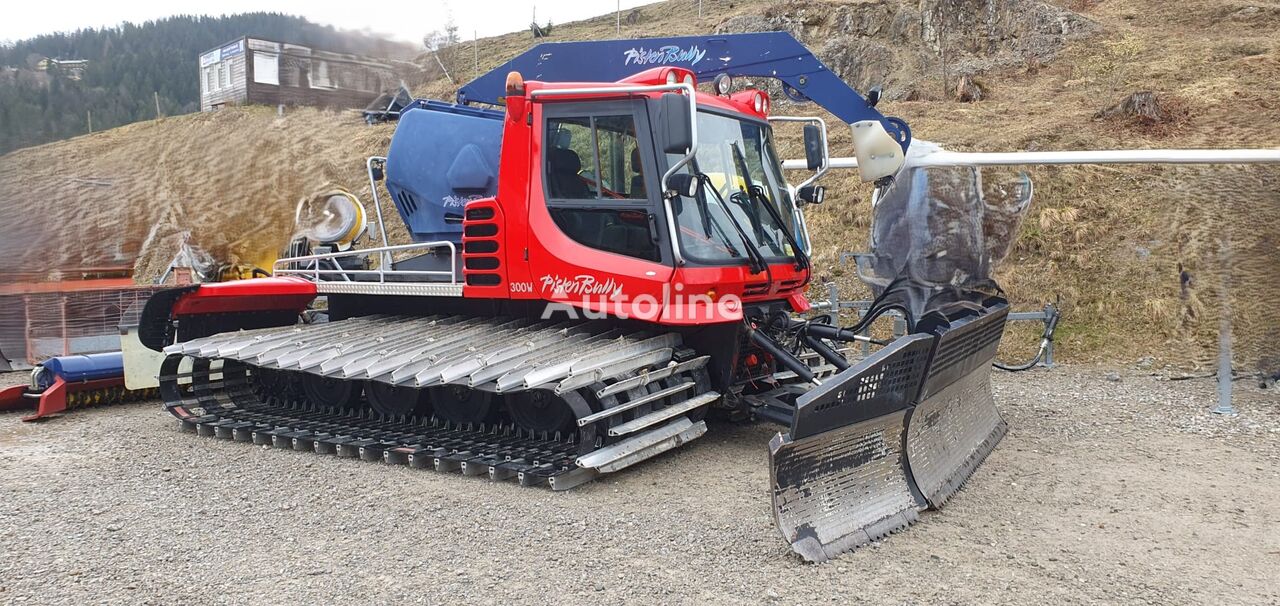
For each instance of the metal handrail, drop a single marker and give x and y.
(377, 204)
(826, 150)
(313, 269)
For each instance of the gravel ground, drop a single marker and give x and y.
(1113, 486)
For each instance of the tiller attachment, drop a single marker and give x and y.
(67, 382)
(887, 438)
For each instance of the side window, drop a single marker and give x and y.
(596, 188)
(568, 145)
(594, 157)
(620, 169)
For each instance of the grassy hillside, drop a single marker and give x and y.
(1132, 252)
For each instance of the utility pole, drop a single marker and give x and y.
(475, 51)
(1224, 330)
(156, 95)
(699, 9)
(89, 114)
(618, 16)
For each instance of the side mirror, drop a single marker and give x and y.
(812, 194)
(813, 146)
(673, 116)
(683, 184)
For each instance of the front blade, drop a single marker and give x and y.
(956, 424)
(840, 476)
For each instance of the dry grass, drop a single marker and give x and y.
(1110, 240)
(124, 196)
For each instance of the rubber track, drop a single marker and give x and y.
(498, 451)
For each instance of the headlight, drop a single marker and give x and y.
(722, 84)
(334, 217)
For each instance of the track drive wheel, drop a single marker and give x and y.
(461, 404)
(394, 401)
(541, 410)
(275, 385)
(331, 393)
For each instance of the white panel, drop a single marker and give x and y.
(141, 365)
(266, 68)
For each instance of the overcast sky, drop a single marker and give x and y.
(406, 21)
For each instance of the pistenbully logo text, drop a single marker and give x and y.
(663, 55)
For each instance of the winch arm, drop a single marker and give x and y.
(767, 54)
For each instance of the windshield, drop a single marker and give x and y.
(738, 158)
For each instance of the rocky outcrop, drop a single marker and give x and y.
(900, 45)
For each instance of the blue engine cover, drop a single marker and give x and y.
(442, 156)
(82, 367)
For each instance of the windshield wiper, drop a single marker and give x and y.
(756, 193)
(709, 224)
(756, 260)
(740, 159)
(802, 260)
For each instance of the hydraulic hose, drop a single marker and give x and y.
(1046, 339)
(781, 355)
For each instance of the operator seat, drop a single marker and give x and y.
(637, 180)
(564, 181)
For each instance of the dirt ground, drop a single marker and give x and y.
(1113, 486)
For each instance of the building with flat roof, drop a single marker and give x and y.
(252, 70)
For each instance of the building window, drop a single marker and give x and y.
(266, 68)
(320, 74)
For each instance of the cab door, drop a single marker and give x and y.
(595, 240)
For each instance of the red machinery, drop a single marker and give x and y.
(596, 267)
(66, 382)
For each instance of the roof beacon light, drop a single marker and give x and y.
(515, 84)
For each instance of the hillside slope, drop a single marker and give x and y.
(125, 196)
(1132, 252)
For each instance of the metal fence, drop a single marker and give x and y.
(38, 326)
(835, 304)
